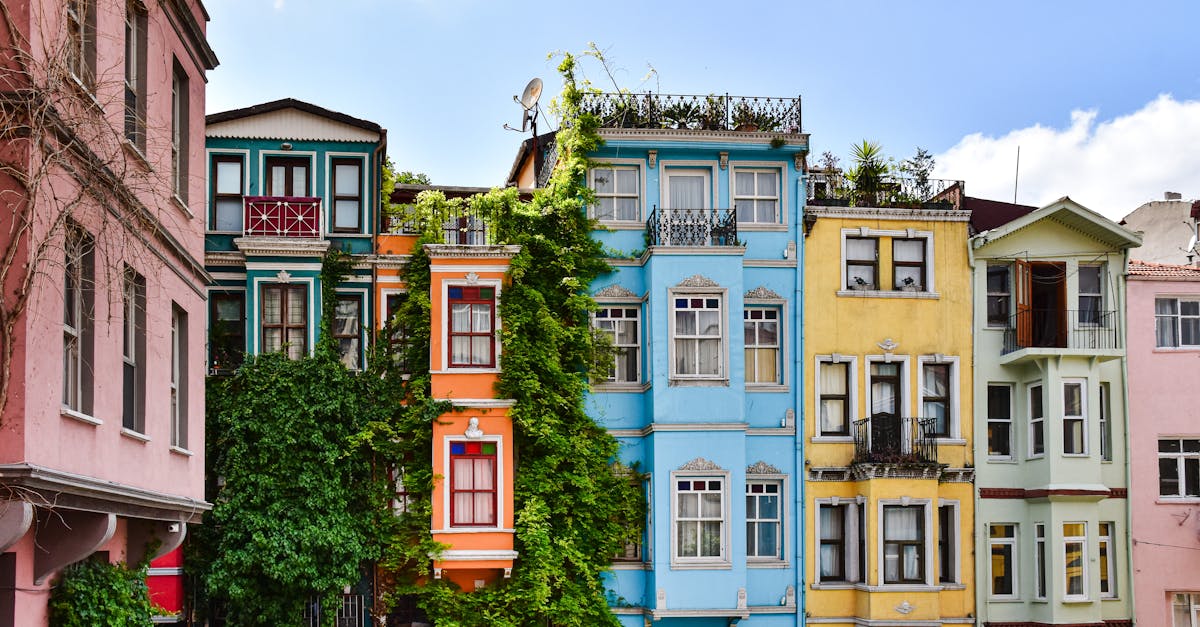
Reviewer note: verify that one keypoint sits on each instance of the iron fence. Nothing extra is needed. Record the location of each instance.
(692, 227)
(694, 112)
(1072, 329)
(887, 439)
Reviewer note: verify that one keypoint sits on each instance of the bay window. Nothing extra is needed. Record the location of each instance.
(936, 390)
(834, 397)
(1074, 422)
(904, 544)
(1108, 560)
(1075, 561)
(622, 325)
(764, 520)
(1002, 544)
(761, 338)
(999, 295)
(999, 425)
(698, 336)
(842, 537)
(1037, 422)
(699, 518)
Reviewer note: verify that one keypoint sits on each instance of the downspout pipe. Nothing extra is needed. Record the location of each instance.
(798, 365)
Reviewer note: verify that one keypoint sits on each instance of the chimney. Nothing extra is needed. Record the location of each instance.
(1172, 196)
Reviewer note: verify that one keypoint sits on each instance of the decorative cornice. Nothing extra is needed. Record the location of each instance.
(889, 213)
(615, 291)
(59, 488)
(472, 251)
(862, 471)
(1044, 493)
(224, 258)
(697, 280)
(700, 464)
(762, 293)
(758, 138)
(762, 468)
(281, 246)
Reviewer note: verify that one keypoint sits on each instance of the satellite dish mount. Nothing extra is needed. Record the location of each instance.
(529, 102)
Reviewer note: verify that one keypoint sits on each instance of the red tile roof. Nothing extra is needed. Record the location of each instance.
(1163, 270)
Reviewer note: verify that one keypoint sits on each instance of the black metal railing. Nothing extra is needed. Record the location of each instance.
(350, 613)
(695, 112)
(692, 227)
(1072, 329)
(886, 439)
(458, 226)
(835, 189)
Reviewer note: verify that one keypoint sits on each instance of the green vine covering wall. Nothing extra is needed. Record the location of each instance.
(302, 448)
(94, 592)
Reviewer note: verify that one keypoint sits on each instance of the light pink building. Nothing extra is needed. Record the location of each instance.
(101, 262)
(1164, 441)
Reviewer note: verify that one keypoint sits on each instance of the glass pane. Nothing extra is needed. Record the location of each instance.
(604, 209)
(1189, 307)
(766, 211)
(907, 276)
(345, 214)
(999, 438)
(768, 542)
(299, 180)
(1165, 306)
(768, 507)
(710, 505)
(709, 357)
(272, 307)
(833, 416)
(768, 333)
(1089, 279)
(460, 318)
(460, 349)
(937, 380)
(1001, 569)
(689, 505)
(751, 507)
(295, 305)
(745, 184)
(481, 350)
(767, 184)
(627, 333)
(686, 191)
(1189, 331)
(833, 378)
(346, 178)
(272, 339)
(228, 215)
(229, 309)
(1073, 399)
(710, 323)
(997, 279)
(481, 318)
(229, 177)
(626, 208)
(710, 539)
(278, 181)
(689, 539)
(685, 323)
(908, 250)
(603, 180)
(862, 277)
(860, 249)
(685, 356)
(627, 181)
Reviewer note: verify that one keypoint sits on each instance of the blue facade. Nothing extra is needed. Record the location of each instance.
(704, 308)
(287, 181)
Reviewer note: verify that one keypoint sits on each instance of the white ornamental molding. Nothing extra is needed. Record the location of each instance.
(741, 598)
(888, 345)
(763, 293)
(473, 431)
(283, 276)
(905, 608)
(615, 291)
(698, 281)
(700, 464)
(472, 278)
(762, 468)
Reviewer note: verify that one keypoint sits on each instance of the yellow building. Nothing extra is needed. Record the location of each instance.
(887, 430)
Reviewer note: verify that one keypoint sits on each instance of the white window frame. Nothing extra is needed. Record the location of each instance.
(1013, 544)
(1107, 544)
(854, 528)
(1179, 457)
(1082, 541)
(1176, 320)
(955, 542)
(851, 362)
(929, 545)
(501, 493)
(621, 164)
(1190, 601)
(759, 167)
(637, 346)
(721, 294)
(955, 429)
(1040, 582)
(1039, 422)
(1099, 296)
(1006, 422)
(497, 325)
(1081, 418)
(1104, 419)
(903, 403)
(781, 522)
(780, 361)
(721, 561)
(883, 238)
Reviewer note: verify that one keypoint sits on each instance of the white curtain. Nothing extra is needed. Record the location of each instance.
(902, 526)
(833, 410)
(686, 191)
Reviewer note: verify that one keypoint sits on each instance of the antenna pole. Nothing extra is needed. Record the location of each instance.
(1017, 175)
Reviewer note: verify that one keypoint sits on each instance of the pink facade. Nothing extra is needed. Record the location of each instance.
(1164, 440)
(102, 428)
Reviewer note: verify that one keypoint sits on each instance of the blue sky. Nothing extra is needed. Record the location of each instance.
(1102, 97)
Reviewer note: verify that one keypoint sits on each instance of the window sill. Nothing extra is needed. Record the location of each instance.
(1180, 500)
(179, 450)
(951, 441)
(699, 383)
(457, 370)
(237, 233)
(1002, 460)
(1005, 600)
(1103, 599)
(995, 328)
(81, 417)
(137, 154)
(348, 234)
(766, 387)
(889, 294)
(951, 585)
(622, 225)
(1076, 455)
(762, 226)
(1176, 349)
(620, 387)
(473, 530)
(1077, 601)
(631, 566)
(833, 439)
(835, 585)
(183, 206)
(701, 566)
(87, 92)
(135, 435)
(767, 564)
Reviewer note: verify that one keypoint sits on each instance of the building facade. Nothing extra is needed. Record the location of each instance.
(704, 213)
(1051, 421)
(288, 181)
(887, 429)
(1164, 442)
(102, 421)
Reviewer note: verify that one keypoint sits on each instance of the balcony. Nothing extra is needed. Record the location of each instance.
(695, 112)
(459, 225)
(692, 227)
(835, 189)
(895, 440)
(282, 216)
(1043, 332)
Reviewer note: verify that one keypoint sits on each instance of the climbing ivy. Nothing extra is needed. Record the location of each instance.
(575, 506)
(95, 592)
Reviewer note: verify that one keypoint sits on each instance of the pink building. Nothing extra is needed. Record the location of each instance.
(102, 313)
(1164, 441)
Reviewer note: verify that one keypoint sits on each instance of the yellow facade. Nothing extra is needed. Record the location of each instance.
(888, 407)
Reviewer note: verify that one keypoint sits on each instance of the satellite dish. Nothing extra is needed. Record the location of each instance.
(532, 92)
(1191, 243)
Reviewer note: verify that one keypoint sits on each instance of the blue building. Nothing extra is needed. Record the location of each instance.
(700, 199)
(286, 182)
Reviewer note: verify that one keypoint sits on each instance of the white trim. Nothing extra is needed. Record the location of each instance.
(284, 265)
(785, 519)
(1082, 417)
(722, 375)
(227, 276)
(445, 286)
(501, 495)
(903, 406)
(684, 166)
(364, 321)
(476, 555)
(722, 561)
(781, 344)
(955, 392)
(1012, 431)
(381, 305)
(256, 315)
(851, 401)
(67, 412)
(464, 269)
(927, 535)
(928, 291)
(1014, 543)
(618, 163)
(135, 435)
(1083, 561)
(364, 191)
(1029, 454)
(611, 303)
(956, 542)
(782, 207)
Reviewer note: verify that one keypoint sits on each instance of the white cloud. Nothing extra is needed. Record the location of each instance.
(278, 5)
(1110, 166)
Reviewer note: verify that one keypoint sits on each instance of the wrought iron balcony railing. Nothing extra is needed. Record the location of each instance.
(835, 189)
(1070, 329)
(692, 227)
(695, 112)
(458, 226)
(283, 216)
(887, 439)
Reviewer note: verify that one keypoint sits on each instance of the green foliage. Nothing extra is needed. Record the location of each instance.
(299, 508)
(95, 592)
(575, 507)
